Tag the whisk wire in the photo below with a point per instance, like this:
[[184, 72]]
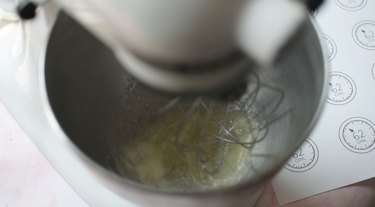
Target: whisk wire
[[217, 127]]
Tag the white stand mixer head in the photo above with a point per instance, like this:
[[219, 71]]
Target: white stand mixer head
[[191, 47]]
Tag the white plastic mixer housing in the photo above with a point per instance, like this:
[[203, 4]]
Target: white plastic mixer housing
[[148, 36]]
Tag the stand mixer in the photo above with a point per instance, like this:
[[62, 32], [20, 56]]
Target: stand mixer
[[189, 47], [94, 112]]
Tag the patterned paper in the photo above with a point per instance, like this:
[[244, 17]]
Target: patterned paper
[[340, 150]]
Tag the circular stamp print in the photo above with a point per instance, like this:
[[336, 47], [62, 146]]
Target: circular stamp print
[[341, 89], [304, 158], [358, 135], [364, 34], [331, 47], [351, 5]]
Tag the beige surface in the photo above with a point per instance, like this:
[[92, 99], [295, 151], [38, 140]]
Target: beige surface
[[26, 177]]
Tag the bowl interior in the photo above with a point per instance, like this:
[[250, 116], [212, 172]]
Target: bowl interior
[[102, 109]]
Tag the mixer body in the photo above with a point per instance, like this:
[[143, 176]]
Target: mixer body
[[191, 47], [71, 104]]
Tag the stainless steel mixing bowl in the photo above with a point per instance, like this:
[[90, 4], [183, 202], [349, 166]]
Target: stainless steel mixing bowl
[[88, 91]]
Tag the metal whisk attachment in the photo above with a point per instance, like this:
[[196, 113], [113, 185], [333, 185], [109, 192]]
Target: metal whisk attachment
[[203, 143], [219, 125]]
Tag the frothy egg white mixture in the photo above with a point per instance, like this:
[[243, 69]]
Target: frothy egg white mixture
[[184, 152]]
